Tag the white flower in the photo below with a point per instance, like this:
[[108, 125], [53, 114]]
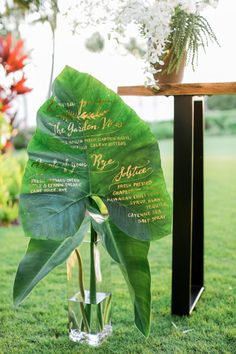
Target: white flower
[[202, 4], [153, 17], [189, 6]]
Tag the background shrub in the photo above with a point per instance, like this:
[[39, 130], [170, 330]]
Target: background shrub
[[12, 168], [21, 140], [217, 123], [163, 129], [221, 102]]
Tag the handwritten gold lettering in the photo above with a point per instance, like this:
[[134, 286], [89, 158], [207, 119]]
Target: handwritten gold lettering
[[131, 171], [100, 163], [92, 115], [107, 123], [72, 129], [57, 129], [88, 126]]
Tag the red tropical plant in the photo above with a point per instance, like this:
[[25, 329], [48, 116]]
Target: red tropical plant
[[4, 105], [13, 60], [19, 87]]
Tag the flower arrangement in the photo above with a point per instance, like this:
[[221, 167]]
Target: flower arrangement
[[12, 63], [166, 25]]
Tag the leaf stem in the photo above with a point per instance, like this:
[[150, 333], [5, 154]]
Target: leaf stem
[[85, 320], [107, 309], [93, 241], [52, 62], [80, 274]]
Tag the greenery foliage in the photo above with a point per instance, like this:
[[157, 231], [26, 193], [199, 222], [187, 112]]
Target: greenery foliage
[[163, 129], [221, 102], [134, 47], [217, 122], [21, 140], [221, 122], [13, 12], [189, 33], [95, 43], [11, 167], [59, 207], [40, 327]]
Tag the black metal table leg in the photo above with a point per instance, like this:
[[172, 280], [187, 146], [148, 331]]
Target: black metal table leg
[[188, 222], [198, 206]]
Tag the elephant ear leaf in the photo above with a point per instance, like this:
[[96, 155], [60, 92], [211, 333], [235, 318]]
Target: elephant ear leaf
[[41, 257], [89, 145], [88, 142]]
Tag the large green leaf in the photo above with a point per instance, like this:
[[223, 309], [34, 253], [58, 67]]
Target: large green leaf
[[59, 215], [89, 142], [133, 262], [41, 257]]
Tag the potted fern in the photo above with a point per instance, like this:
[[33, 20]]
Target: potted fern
[[189, 31]]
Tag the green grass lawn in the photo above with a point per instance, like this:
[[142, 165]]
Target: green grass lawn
[[40, 324]]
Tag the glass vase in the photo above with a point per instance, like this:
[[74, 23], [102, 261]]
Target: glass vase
[[89, 296]]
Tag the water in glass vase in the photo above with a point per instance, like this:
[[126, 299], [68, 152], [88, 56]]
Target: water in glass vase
[[90, 322], [89, 298]]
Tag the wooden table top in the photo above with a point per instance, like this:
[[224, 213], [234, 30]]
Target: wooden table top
[[191, 89]]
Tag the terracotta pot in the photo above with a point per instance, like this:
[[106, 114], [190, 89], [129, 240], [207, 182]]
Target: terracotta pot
[[173, 77]]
